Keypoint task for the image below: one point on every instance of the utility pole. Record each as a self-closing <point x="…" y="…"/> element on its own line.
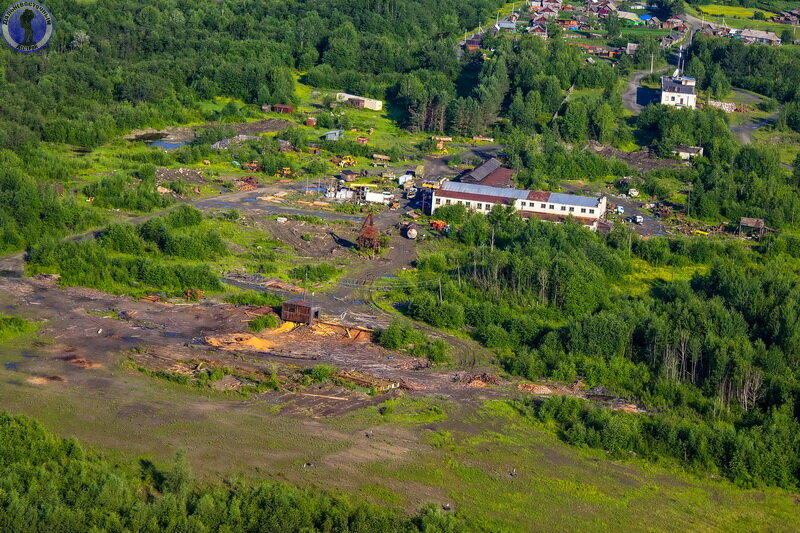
<point x="651" y="62"/>
<point x="689" y="199"/>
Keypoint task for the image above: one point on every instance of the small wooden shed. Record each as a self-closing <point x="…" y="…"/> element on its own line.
<point x="299" y="311"/>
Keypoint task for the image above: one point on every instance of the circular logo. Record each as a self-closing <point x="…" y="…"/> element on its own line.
<point x="27" y="26"/>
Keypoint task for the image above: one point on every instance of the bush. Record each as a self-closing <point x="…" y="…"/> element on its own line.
<point x="314" y="273"/>
<point x="434" y="351"/>
<point x="14" y="326"/>
<point x="122" y="237"/>
<point x="320" y="373"/>
<point x="261" y="299"/>
<point x="182" y="217"/>
<point x="398" y="335"/>
<point x="264" y="322"/>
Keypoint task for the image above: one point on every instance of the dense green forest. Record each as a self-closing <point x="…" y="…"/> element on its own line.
<point x="127" y="258"/>
<point x="715" y="352"/>
<point x="114" y="65"/>
<point x="52" y="484"/>
<point x="773" y="71"/>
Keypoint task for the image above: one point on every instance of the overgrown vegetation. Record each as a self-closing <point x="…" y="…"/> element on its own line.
<point x="264" y="322"/>
<point x="14" y="326"/>
<point x="716" y="349"/>
<point x="86" y="492"/>
<point x="126" y="257"/>
<point x="401" y="335"/>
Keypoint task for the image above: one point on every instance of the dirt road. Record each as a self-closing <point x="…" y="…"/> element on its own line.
<point x="635" y="97"/>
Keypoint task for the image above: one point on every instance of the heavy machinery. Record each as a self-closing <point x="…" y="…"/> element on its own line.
<point x="286" y="172"/>
<point x="438" y="224"/>
<point x="253" y="166"/>
<point x="346" y="161"/>
<point x="369" y="236"/>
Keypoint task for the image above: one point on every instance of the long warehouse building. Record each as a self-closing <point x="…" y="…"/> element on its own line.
<point x="550" y="206"/>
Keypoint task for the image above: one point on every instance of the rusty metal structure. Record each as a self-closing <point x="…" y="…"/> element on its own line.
<point x="299" y="311"/>
<point x="369" y="236"/>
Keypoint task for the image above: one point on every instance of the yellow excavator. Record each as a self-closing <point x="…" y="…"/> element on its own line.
<point x="347" y="161"/>
<point x="286" y="172"/>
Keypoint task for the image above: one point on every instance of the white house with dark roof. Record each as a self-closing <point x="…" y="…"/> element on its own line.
<point x="679" y="91"/>
<point x="550" y="206"/>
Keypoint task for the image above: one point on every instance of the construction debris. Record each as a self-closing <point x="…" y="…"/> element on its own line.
<point x="250" y="183"/>
<point x="365" y="380"/>
<point x="240" y="341"/>
<point x="534" y="389"/>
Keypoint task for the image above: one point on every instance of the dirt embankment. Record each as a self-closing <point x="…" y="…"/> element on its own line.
<point x="641" y="160"/>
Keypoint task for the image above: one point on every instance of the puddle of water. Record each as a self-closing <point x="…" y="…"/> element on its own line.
<point x="130" y="339"/>
<point x="13" y="382"/>
<point x="38" y="297"/>
<point x="174" y="335"/>
<point x="11" y="307"/>
<point x="11" y="366"/>
<point x="29" y="354"/>
<point x="168" y="145"/>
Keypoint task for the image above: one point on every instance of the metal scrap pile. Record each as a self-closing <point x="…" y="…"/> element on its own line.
<point x="250" y="183"/>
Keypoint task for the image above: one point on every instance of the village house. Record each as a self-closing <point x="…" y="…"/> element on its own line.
<point x="539" y="19"/>
<point x="539" y="30"/>
<point x="568" y="24"/>
<point x="548" y="12"/>
<point x="359" y="101"/>
<point x="490" y="173"/>
<point x="679" y="91"/>
<point x="473" y="43"/>
<point x="504" y="27"/>
<point x="550" y="206"/>
<point x="333" y="135"/>
<point x="787" y="17"/>
<point x="671" y="39"/>
<point x="283" y="108"/>
<point x="630" y="17"/>
<point x="673" y="23"/>
<point x="760" y="37"/>
<point x="687" y="152"/>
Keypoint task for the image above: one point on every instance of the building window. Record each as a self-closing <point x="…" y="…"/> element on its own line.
<point x="447" y="202"/>
<point x="544" y="206"/>
<point x="522" y="204"/>
<point x="672" y="98"/>
<point x="480" y="206"/>
<point x="468" y="204"/>
<point x="563" y="208"/>
<point x="591" y="211"/>
<point x="552" y="206"/>
<point x="438" y="201"/>
<point x="583" y="209"/>
<point x="571" y="209"/>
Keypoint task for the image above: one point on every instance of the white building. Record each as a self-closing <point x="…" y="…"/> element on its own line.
<point x="551" y="206"/>
<point x="679" y="91"/>
<point x="360" y="101"/>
